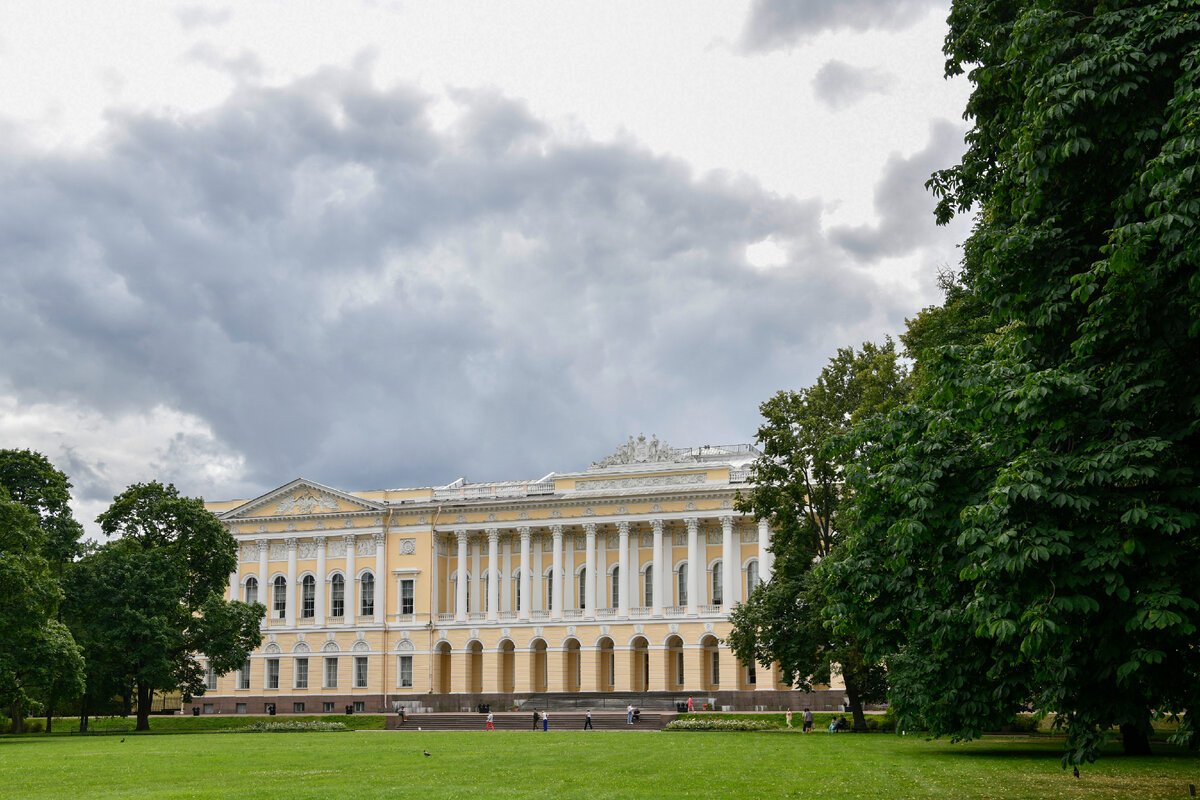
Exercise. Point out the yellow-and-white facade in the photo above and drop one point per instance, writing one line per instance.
(618, 579)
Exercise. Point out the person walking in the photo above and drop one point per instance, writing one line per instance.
(537, 717)
(545, 720)
(691, 707)
(629, 714)
(808, 720)
(490, 726)
(788, 717)
(587, 721)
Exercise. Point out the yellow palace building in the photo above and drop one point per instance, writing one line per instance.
(616, 580)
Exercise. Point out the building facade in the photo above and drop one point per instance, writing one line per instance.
(617, 579)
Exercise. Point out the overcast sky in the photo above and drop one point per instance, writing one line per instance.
(382, 244)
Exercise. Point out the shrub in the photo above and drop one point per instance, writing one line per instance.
(717, 725)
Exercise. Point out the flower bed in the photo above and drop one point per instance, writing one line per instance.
(291, 727)
(717, 725)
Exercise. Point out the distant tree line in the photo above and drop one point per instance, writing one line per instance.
(102, 627)
(1009, 521)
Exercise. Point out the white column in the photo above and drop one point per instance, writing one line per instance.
(601, 569)
(589, 567)
(526, 576)
(657, 577)
(623, 568)
(434, 585)
(381, 578)
(476, 577)
(460, 586)
(732, 565)
(634, 582)
(351, 585)
(766, 561)
(319, 620)
(570, 588)
(493, 584)
(556, 582)
(538, 595)
(293, 595)
(264, 593)
(695, 567)
(506, 603)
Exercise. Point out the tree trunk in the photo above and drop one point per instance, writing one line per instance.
(144, 696)
(49, 716)
(83, 713)
(17, 719)
(1135, 739)
(856, 706)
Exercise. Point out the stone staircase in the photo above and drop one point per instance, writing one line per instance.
(523, 721)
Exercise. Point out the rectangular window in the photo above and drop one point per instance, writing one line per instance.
(405, 671)
(612, 669)
(716, 669)
(239, 708)
(679, 669)
(210, 677)
(297, 708)
(360, 672)
(337, 596)
(408, 604)
(244, 676)
(751, 675)
(308, 598)
(359, 706)
(280, 598)
(272, 673)
(301, 673)
(327, 708)
(331, 673)
(583, 590)
(208, 708)
(366, 588)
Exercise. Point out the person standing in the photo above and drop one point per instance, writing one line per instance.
(490, 726)
(691, 707)
(808, 720)
(537, 717)
(788, 717)
(545, 720)
(587, 721)
(629, 714)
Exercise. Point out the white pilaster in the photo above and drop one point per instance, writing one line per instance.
(380, 577)
(435, 588)
(623, 568)
(766, 561)
(493, 584)
(319, 599)
(537, 594)
(264, 591)
(695, 566)
(556, 581)
(731, 569)
(601, 594)
(657, 578)
(589, 567)
(476, 576)
(349, 617)
(293, 593)
(526, 575)
(506, 603)
(460, 586)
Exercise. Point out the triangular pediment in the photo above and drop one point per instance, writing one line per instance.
(301, 498)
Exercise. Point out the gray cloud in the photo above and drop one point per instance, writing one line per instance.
(782, 24)
(904, 206)
(840, 85)
(192, 17)
(340, 290)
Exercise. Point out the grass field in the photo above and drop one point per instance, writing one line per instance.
(569, 764)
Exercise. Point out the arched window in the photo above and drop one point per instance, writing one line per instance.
(717, 593)
(517, 591)
(367, 590)
(616, 587)
(648, 586)
(751, 577)
(682, 580)
(252, 590)
(583, 589)
(337, 596)
(280, 597)
(550, 589)
(308, 597)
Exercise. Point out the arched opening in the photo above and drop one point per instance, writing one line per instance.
(639, 654)
(676, 674)
(752, 579)
(537, 667)
(280, 598)
(681, 581)
(508, 666)
(572, 665)
(710, 664)
(308, 597)
(616, 587)
(648, 585)
(337, 596)
(441, 667)
(252, 590)
(475, 667)
(718, 588)
(606, 664)
(366, 590)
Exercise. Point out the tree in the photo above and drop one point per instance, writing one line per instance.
(798, 485)
(1025, 531)
(151, 602)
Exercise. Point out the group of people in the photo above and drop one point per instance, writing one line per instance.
(808, 719)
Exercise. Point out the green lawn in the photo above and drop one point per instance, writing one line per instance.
(570, 764)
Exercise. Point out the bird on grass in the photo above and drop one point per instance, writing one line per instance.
(122, 738)
(1076, 771)
(426, 752)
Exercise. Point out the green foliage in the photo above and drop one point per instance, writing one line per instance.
(1025, 532)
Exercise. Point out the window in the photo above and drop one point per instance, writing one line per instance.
(679, 669)
(331, 673)
(337, 596)
(404, 670)
(252, 590)
(367, 587)
(408, 597)
(487, 578)
(751, 577)
(683, 582)
(297, 708)
(648, 589)
(751, 674)
(550, 589)
(716, 669)
(308, 597)
(616, 587)
(280, 597)
(327, 708)
(717, 593)
(244, 676)
(272, 673)
(239, 708)
(517, 590)
(210, 677)
(583, 589)
(360, 706)
(360, 672)
(208, 708)
(301, 673)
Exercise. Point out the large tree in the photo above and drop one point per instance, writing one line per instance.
(798, 485)
(1027, 529)
(151, 601)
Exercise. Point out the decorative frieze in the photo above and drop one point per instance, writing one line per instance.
(648, 481)
(306, 503)
(249, 553)
(278, 552)
(365, 547)
(337, 548)
(307, 550)
(680, 538)
(408, 547)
